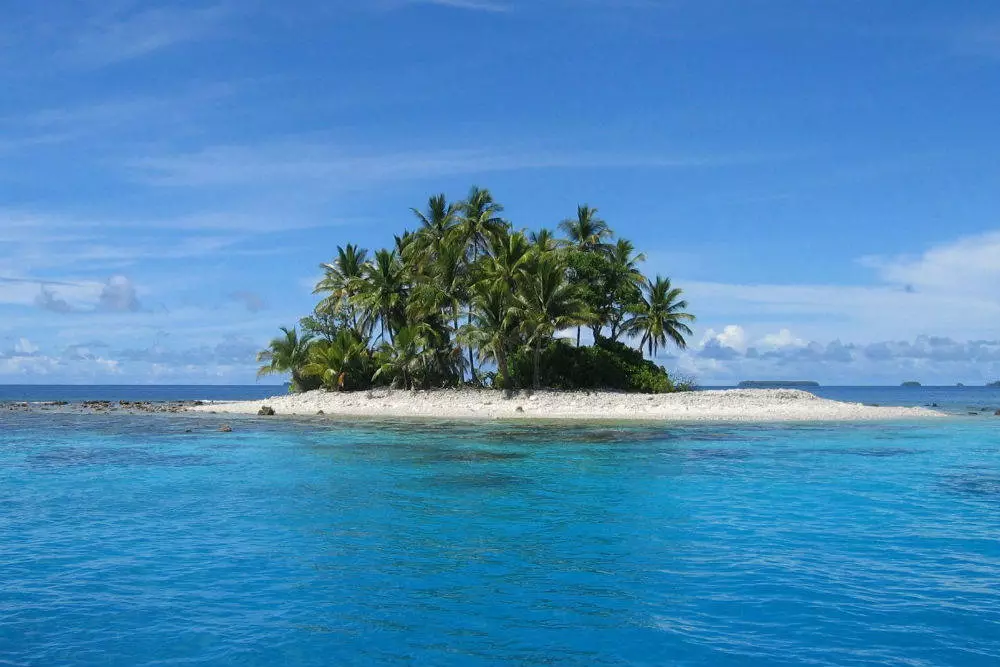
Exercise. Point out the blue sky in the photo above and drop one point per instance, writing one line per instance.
(820, 177)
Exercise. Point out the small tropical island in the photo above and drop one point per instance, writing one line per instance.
(467, 300)
(910, 383)
(993, 385)
(468, 316)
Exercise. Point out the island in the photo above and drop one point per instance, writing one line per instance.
(777, 384)
(993, 385)
(466, 315)
(910, 383)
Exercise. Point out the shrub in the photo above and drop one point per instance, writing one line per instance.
(604, 365)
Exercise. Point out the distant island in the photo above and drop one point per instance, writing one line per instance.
(993, 385)
(910, 383)
(777, 384)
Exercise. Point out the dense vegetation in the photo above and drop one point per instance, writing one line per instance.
(467, 299)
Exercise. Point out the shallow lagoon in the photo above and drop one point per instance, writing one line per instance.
(127, 540)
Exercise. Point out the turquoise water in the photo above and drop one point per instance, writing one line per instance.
(129, 541)
(137, 392)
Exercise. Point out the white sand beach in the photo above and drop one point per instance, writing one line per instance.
(733, 405)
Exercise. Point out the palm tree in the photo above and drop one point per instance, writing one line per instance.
(382, 291)
(341, 277)
(341, 363)
(438, 295)
(587, 232)
(403, 242)
(407, 358)
(479, 220)
(479, 217)
(546, 303)
(626, 283)
(491, 330)
(510, 256)
(660, 316)
(544, 240)
(286, 354)
(436, 222)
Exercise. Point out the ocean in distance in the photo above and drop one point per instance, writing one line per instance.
(154, 539)
(956, 400)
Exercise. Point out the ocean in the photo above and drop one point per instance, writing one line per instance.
(155, 539)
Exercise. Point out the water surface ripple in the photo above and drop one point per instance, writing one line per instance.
(129, 541)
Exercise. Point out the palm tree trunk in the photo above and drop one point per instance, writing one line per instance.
(538, 359)
(472, 364)
(504, 371)
(578, 335)
(454, 315)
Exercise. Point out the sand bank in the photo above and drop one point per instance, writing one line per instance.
(733, 405)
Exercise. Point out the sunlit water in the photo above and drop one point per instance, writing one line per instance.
(127, 540)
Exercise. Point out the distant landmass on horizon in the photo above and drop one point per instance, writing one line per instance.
(777, 384)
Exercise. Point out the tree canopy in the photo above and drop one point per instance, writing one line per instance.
(468, 298)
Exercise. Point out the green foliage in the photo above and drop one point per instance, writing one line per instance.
(605, 365)
(466, 290)
(323, 323)
(660, 316)
(288, 353)
(341, 364)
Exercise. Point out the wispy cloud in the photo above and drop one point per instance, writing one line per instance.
(475, 5)
(978, 39)
(306, 162)
(119, 37)
(948, 290)
(132, 117)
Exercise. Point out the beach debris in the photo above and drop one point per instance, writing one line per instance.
(265, 411)
(519, 409)
(225, 428)
(320, 412)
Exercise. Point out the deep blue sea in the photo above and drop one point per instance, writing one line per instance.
(154, 539)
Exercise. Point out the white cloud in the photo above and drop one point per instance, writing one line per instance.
(931, 360)
(951, 289)
(970, 265)
(732, 337)
(118, 295)
(783, 338)
(25, 347)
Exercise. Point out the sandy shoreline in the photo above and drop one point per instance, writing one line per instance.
(732, 405)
